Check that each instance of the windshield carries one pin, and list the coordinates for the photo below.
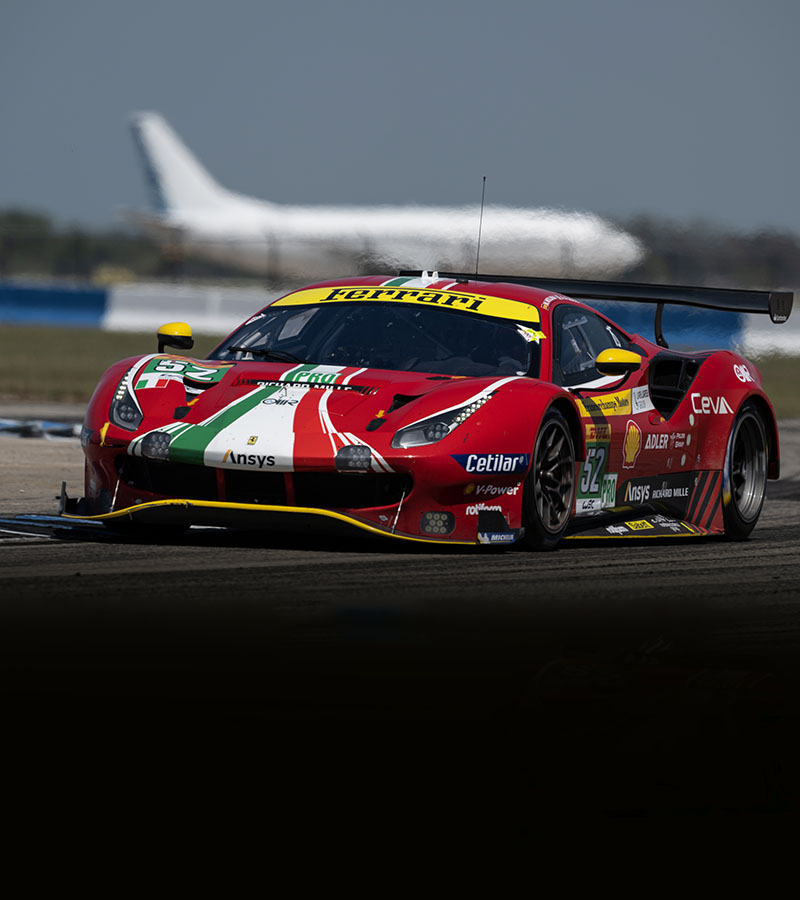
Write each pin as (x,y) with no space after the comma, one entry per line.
(406,337)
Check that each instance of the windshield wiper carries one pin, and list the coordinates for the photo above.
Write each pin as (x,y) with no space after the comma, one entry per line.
(275,354)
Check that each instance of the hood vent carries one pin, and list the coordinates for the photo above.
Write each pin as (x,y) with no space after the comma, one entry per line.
(401,400)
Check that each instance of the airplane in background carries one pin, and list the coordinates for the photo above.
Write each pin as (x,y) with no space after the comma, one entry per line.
(283,242)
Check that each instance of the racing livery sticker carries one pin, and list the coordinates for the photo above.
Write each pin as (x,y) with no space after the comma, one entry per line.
(475,508)
(598,431)
(640,400)
(631,445)
(703,404)
(651,526)
(595,489)
(497,307)
(493,490)
(616,404)
(312,374)
(499,537)
(160,371)
(492,463)
(670,490)
(279,410)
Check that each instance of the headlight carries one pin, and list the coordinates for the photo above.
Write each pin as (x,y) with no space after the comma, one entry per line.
(125,411)
(428,431)
(156,445)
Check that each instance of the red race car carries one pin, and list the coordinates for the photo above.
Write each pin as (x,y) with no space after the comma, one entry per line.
(450,409)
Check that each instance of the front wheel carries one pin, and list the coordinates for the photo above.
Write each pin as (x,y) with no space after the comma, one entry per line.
(550,484)
(744,480)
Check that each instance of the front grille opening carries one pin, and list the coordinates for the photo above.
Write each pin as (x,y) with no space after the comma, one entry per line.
(323,490)
(255,487)
(350,491)
(168,479)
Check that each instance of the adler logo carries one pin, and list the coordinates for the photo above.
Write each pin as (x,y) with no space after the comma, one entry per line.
(656,442)
(703,404)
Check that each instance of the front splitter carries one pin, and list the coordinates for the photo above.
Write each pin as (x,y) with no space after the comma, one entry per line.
(252,516)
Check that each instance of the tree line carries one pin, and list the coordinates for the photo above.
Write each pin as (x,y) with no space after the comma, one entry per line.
(701,253)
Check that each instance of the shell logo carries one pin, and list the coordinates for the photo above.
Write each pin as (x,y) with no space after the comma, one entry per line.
(631,445)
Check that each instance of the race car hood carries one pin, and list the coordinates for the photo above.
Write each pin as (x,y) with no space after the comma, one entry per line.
(283,417)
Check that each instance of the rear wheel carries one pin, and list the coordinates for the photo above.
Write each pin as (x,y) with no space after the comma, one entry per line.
(744,482)
(549,485)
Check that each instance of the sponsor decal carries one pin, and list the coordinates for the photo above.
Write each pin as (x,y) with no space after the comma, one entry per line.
(618,404)
(742,373)
(640,400)
(477,507)
(639,525)
(668,524)
(592,469)
(490,463)
(616,529)
(252,460)
(497,537)
(656,442)
(608,496)
(553,297)
(598,432)
(637,493)
(531,334)
(306,374)
(495,490)
(498,307)
(678,440)
(595,490)
(674,489)
(160,371)
(631,445)
(704,404)
(252,439)
(279,401)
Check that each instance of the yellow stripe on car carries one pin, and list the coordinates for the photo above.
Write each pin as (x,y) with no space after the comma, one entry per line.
(497,307)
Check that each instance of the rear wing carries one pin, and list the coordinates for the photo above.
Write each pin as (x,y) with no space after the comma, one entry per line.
(778,304)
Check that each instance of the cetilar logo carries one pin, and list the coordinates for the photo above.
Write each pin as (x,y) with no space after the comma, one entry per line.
(489,463)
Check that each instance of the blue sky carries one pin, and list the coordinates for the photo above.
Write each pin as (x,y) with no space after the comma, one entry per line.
(685,109)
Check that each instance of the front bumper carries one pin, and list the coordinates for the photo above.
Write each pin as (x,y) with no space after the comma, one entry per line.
(253,516)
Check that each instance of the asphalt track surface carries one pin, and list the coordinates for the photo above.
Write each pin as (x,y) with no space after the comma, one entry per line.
(610,679)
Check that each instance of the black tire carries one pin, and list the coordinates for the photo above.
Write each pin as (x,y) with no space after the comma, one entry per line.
(744,478)
(549,485)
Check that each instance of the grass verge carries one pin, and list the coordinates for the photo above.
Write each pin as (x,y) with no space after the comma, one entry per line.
(65,364)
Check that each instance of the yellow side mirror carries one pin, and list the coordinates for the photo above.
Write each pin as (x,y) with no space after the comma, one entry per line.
(616,361)
(175,334)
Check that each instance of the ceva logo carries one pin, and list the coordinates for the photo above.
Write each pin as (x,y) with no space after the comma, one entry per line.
(703,404)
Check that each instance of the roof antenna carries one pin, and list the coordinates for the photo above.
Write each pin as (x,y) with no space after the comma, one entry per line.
(480,227)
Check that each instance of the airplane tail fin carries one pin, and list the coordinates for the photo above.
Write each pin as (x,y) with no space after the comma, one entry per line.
(175,177)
